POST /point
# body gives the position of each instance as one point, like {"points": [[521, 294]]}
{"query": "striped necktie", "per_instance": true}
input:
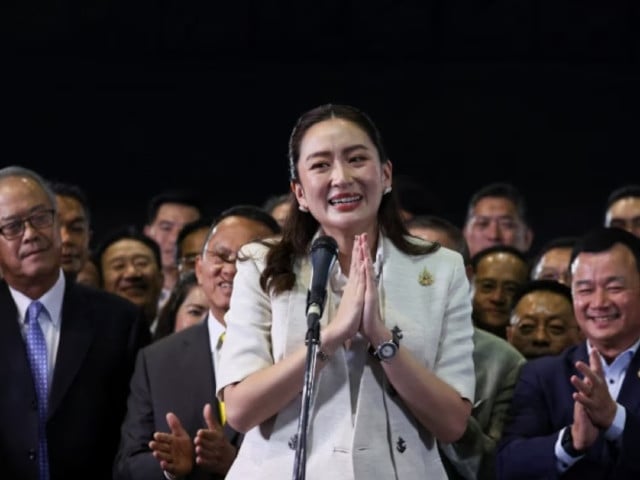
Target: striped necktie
{"points": [[37, 352]]}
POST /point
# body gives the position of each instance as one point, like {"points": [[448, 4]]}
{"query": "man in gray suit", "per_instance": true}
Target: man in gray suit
{"points": [[497, 366], [174, 423]]}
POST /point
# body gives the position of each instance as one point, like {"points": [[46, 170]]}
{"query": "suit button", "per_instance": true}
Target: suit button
{"points": [[32, 454]]}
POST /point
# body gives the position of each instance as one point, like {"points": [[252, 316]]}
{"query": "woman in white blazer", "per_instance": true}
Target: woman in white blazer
{"points": [[395, 370]]}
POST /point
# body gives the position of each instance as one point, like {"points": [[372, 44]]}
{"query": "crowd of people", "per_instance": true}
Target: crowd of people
{"points": [[176, 348]]}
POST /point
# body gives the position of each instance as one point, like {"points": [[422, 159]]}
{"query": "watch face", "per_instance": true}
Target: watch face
{"points": [[388, 350]]}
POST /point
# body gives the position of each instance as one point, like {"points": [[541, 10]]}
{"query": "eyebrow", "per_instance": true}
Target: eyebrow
{"points": [[327, 153]]}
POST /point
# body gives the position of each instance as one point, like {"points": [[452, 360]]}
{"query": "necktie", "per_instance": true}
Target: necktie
{"points": [[223, 414], [37, 352]]}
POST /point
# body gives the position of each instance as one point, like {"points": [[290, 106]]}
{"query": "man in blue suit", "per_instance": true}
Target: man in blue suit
{"points": [[65, 365], [577, 415]]}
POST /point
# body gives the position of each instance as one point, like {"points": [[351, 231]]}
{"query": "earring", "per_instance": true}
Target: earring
{"points": [[386, 190], [303, 209]]}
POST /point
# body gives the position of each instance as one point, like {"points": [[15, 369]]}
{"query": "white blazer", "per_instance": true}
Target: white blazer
{"points": [[427, 297]]}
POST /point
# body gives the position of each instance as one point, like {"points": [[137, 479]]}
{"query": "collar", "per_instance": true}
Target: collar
{"points": [[624, 357], [52, 301], [216, 329]]}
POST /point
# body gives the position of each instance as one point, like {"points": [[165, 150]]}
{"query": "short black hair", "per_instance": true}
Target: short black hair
{"points": [[558, 242], [130, 232], [179, 196], [622, 192], [497, 249], [442, 224], [201, 223], [501, 190], [603, 238], [542, 285], [73, 191]]}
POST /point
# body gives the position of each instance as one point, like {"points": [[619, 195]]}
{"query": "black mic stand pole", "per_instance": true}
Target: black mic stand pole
{"points": [[312, 340]]}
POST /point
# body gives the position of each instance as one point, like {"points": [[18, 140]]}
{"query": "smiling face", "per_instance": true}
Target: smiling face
{"points": [[216, 267], [31, 261], [129, 269], [606, 298], [341, 178]]}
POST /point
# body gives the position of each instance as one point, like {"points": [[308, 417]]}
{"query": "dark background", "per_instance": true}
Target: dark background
{"points": [[126, 98]]}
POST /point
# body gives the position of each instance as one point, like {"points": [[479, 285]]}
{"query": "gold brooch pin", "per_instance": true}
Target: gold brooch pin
{"points": [[425, 278]]}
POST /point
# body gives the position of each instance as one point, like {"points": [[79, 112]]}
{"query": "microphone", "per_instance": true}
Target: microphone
{"points": [[324, 251]]}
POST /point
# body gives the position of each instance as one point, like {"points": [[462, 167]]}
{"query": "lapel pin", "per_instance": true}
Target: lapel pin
{"points": [[425, 278]]}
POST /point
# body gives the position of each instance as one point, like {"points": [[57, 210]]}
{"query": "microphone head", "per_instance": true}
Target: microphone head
{"points": [[324, 251]]}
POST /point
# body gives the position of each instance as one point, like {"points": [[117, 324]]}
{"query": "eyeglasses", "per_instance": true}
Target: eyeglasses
{"points": [[220, 258], [38, 220]]}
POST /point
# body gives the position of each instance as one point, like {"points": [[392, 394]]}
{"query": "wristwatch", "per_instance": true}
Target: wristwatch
{"points": [[567, 444], [387, 350]]}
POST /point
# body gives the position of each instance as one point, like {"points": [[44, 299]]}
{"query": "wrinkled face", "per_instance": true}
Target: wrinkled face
{"points": [[192, 310], [129, 269], [74, 232], [497, 277], [341, 178], [606, 298], [553, 265], [164, 230], [34, 255], [191, 247], [216, 267], [495, 221], [625, 214], [543, 323]]}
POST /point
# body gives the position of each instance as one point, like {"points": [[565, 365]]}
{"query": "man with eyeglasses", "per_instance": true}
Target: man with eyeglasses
{"points": [[542, 319], [189, 244], [174, 425], [66, 351]]}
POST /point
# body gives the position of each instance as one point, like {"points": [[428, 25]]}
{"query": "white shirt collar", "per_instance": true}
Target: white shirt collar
{"points": [[215, 330], [52, 301]]}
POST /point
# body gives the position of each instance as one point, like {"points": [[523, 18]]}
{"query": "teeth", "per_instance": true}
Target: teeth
{"points": [[355, 198]]}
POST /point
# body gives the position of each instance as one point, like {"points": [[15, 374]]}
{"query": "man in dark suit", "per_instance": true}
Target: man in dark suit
{"points": [[577, 415], [61, 406], [174, 423]]}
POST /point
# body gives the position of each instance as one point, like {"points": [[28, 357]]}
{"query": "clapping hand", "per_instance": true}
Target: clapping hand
{"points": [[173, 450], [214, 453]]}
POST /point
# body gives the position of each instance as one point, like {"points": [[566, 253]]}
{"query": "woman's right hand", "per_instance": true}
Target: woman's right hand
{"points": [[348, 318]]}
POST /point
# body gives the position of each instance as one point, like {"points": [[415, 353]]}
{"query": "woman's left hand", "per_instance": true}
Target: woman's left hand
{"points": [[372, 323]]}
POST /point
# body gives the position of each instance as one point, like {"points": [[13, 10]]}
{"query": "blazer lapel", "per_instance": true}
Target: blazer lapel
{"points": [[77, 331]]}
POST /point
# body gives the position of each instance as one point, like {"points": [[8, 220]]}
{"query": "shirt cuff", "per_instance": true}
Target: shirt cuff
{"points": [[564, 461], [614, 432]]}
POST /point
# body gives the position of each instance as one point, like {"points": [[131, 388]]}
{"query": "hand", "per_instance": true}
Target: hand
{"points": [[583, 431], [173, 450], [348, 318], [372, 324], [592, 392], [214, 453]]}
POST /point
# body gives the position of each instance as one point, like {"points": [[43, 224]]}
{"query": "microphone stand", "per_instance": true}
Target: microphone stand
{"points": [[312, 340]]}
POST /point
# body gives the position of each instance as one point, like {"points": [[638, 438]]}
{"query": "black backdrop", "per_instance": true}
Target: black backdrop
{"points": [[127, 98]]}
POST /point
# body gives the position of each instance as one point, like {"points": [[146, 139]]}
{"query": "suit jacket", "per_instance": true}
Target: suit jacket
{"points": [[174, 374], [99, 339], [427, 297], [497, 366], [542, 405]]}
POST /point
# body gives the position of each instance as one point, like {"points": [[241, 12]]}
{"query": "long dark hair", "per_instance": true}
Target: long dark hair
{"points": [[300, 227]]}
